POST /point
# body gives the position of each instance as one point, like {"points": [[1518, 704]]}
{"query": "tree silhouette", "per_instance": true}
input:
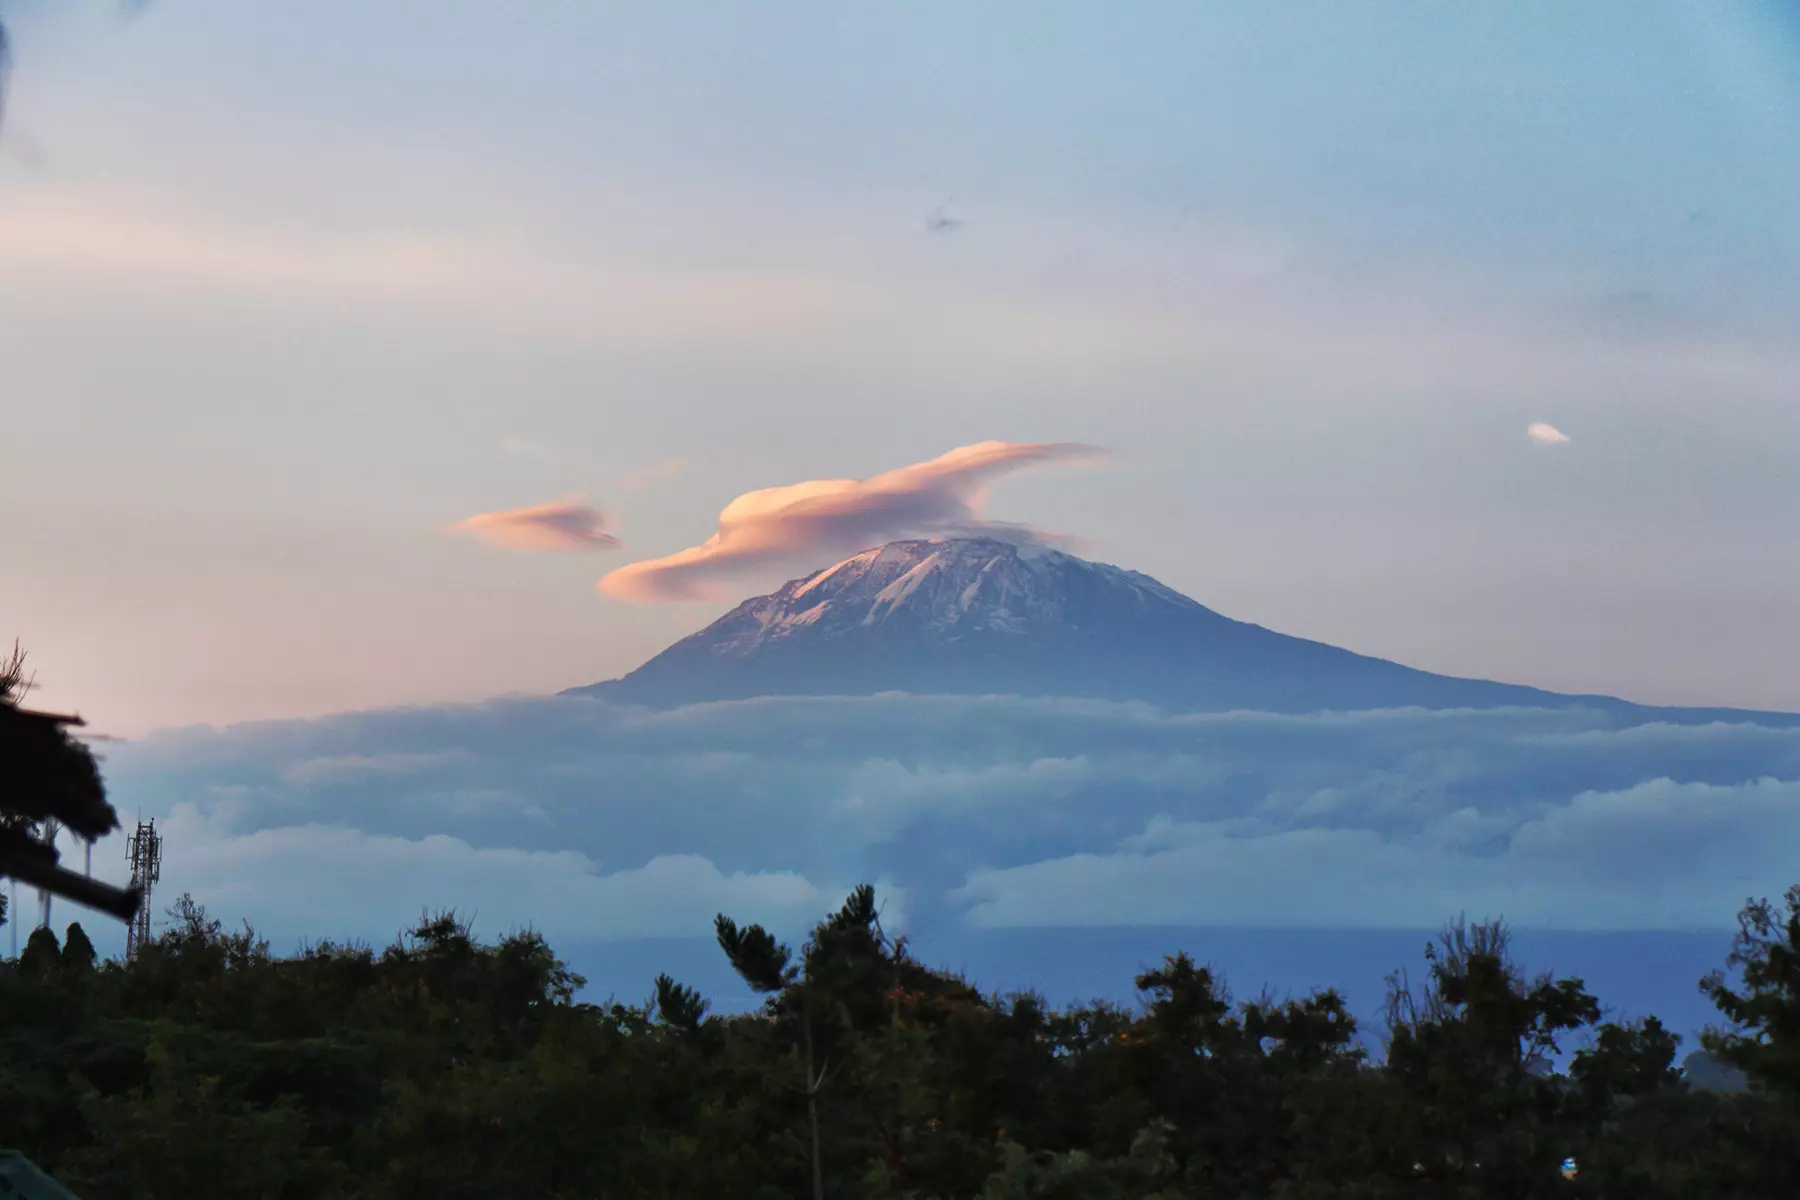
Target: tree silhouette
{"points": [[78, 951], [450, 1065], [1764, 1038]]}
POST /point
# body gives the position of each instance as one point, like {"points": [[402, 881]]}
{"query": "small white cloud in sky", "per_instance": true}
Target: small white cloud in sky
{"points": [[1546, 434]]}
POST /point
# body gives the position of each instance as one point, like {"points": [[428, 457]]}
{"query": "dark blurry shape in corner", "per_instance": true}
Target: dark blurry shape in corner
{"points": [[49, 780], [24, 1179]]}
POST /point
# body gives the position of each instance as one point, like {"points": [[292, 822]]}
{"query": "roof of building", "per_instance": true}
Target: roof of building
{"points": [[21, 1178], [47, 774]]}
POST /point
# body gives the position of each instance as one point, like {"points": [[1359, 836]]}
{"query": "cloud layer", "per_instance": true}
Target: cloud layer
{"points": [[593, 821], [561, 525], [797, 525], [1545, 434]]}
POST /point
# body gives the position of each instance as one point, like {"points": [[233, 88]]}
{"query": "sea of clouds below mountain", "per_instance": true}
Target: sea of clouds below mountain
{"points": [[991, 824]]}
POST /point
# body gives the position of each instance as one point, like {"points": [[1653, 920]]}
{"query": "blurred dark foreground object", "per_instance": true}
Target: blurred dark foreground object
{"points": [[30, 861], [20, 1177], [47, 776]]}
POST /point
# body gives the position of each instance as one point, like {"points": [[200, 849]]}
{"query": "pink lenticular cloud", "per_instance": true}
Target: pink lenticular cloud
{"points": [[561, 525], [796, 525]]}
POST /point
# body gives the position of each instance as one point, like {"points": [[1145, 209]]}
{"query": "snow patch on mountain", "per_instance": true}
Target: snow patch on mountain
{"points": [[947, 587]]}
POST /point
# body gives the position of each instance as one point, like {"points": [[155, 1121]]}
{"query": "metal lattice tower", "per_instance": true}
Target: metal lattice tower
{"points": [[145, 850]]}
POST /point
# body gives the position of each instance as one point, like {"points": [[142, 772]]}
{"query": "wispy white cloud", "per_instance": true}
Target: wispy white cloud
{"points": [[799, 523], [1545, 434], [1181, 305], [351, 766], [1596, 861], [95, 242], [565, 524], [317, 880]]}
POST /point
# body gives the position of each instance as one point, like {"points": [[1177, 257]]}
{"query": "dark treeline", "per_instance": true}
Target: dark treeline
{"points": [[448, 1067]]}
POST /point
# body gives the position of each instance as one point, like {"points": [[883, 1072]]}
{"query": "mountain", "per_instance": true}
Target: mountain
{"points": [[982, 616]]}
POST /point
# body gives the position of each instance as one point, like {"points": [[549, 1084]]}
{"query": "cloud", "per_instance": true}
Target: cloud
{"points": [[1545, 434], [991, 812], [370, 885], [563, 524], [797, 525], [1660, 855], [327, 770], [655, 473]]}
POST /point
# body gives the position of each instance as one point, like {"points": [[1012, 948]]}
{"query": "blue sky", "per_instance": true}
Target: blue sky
{"points": [[287, 288]]}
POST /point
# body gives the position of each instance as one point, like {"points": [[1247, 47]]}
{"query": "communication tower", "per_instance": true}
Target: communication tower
{"points": [[145, 850]]}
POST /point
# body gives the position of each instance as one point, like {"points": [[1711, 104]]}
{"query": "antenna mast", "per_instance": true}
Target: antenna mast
{"points": [[145, 850]]}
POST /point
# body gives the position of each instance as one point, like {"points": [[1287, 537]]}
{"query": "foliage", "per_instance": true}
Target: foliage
{"points": [[1765, 1039], [446, 1066]]}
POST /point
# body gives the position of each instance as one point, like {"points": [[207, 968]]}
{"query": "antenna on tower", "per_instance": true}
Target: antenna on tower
{"points": [[145, 851]]}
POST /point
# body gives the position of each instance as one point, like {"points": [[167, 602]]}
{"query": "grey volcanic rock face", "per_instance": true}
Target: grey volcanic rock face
{"points": [[980, 616]]}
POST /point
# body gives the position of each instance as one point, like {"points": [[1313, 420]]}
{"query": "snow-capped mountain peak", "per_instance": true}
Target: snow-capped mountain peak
{"points": [[945, 588], [980, 615]]}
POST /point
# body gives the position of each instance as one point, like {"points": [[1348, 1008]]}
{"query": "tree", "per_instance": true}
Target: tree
{"points": [[1764, 1038], [847, 979], [1473, 1057], [447, 1066], [78, 952], [679, 1007], [766, 965], [14, 682], [42, 957], [1628, 1061]]}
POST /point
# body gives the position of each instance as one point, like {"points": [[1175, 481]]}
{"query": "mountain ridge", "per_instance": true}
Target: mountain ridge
{"points": [[981, 615]]}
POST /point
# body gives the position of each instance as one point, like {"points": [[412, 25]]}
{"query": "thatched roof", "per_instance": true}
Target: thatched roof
{"points": [[45, 773]]}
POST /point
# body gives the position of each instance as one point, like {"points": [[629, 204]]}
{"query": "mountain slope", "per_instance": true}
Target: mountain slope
{"points": [[981, 616]]}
